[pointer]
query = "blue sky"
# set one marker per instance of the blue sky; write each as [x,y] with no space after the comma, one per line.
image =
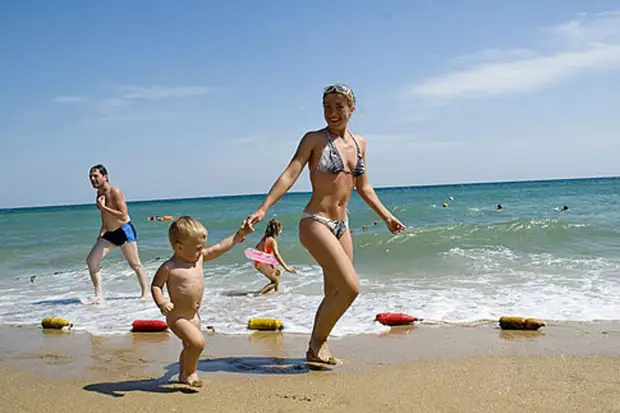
[199,98]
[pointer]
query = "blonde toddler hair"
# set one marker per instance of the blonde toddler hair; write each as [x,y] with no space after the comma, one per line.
[186,228]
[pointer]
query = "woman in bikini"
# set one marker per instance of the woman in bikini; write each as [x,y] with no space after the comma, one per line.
[337,165]
[269,245]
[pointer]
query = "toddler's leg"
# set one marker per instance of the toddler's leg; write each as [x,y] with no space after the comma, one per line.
[193,344]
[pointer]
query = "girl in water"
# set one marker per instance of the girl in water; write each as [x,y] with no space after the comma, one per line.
[336,159]
[269,245]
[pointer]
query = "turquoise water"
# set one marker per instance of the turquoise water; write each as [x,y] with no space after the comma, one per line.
[464,262]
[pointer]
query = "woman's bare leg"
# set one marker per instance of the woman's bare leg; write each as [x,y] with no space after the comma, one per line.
[340,278]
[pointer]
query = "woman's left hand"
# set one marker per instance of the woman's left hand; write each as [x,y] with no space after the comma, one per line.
[394,225]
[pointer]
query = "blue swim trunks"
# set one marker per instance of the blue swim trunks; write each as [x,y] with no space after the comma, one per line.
[126,233]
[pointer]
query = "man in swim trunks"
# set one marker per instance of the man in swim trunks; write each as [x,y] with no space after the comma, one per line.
[116,231]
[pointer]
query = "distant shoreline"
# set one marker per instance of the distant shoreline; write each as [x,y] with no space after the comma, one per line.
[378,188]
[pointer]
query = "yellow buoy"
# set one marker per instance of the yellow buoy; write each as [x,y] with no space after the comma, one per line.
[55,322]
[265,324]
[520,323]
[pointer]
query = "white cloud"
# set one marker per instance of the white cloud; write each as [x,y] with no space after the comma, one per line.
[125,98]
[493,55]
[381,144]
[589,43]
[161,92]
[588,30]
[128,95]
[519,75]
[139,116]
[69,99]
[249,139]
[108,105]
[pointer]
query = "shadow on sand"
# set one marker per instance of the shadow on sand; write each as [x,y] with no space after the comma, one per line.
[240,365]
[240,293]
[70,301]
[160,385]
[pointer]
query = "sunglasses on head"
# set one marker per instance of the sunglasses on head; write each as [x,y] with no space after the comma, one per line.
[340,88]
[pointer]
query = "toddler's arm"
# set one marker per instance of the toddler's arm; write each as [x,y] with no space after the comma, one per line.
[214,251]
[160,279]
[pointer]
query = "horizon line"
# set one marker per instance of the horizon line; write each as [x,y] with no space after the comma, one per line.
[378,188]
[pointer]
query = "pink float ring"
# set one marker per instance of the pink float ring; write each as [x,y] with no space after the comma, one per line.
[260,256]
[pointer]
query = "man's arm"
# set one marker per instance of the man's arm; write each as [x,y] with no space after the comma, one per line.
[118,203]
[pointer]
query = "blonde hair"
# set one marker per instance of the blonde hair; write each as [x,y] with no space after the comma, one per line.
[186,229]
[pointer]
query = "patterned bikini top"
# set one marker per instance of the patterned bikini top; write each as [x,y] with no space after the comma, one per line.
[331,161]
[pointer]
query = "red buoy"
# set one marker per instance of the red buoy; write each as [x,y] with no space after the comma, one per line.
[149,325]
[395,319]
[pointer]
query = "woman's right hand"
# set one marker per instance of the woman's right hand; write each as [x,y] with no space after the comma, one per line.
[253,218]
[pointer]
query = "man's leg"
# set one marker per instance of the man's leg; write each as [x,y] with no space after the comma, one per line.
[130,251]
[101,248]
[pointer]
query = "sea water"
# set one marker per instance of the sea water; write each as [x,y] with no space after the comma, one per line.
[460,262]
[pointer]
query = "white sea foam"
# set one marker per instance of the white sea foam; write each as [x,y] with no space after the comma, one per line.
[485,282]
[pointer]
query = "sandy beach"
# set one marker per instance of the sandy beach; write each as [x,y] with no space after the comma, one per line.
[563,368]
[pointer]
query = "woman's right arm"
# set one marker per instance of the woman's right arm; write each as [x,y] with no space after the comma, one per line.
[285,181]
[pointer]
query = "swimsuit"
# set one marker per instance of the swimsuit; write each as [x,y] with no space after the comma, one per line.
[338,228]
[331,162]
[268,250]
[126,233]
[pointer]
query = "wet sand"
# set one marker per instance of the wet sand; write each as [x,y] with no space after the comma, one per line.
[562,368]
